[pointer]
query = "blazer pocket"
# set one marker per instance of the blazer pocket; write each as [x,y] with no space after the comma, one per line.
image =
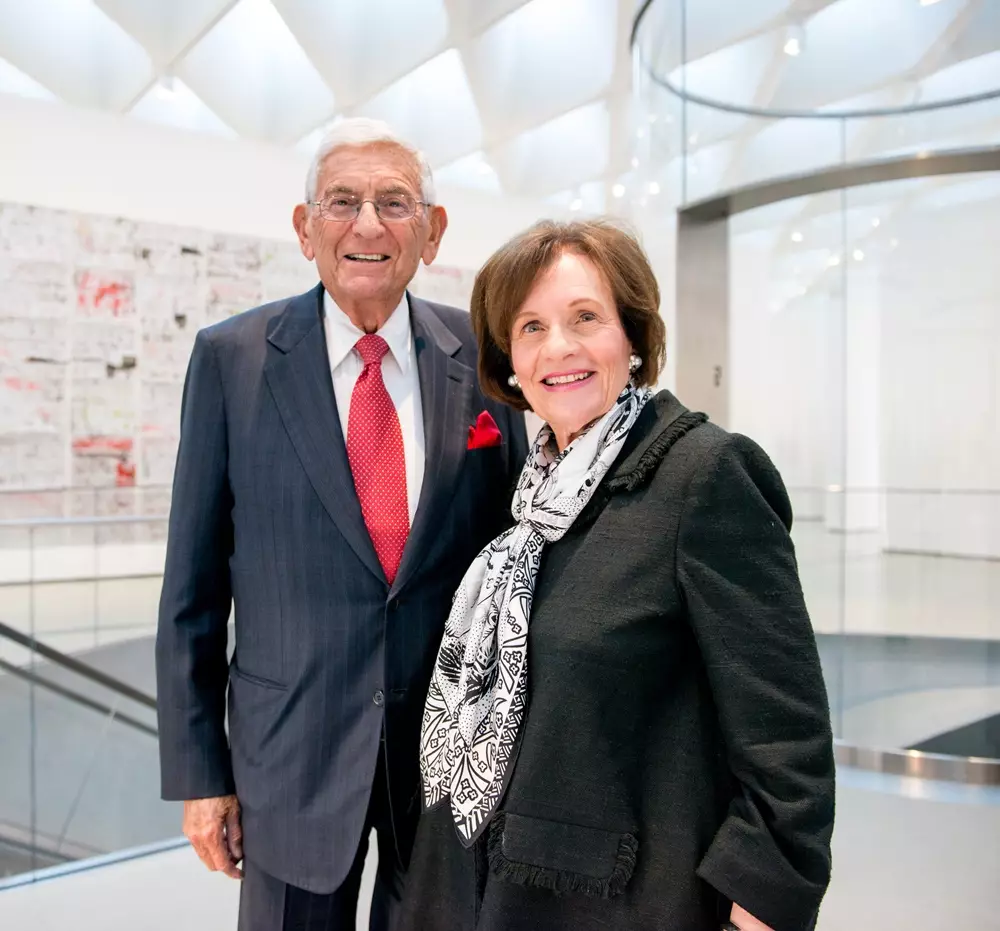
[257,680]
[561,857]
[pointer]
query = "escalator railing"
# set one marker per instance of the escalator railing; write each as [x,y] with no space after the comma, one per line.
[78,756]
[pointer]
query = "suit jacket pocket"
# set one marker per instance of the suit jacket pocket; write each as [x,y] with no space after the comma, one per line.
[561,857]
[257,680]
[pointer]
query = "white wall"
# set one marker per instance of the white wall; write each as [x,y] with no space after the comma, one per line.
[58,156]
[897,387]
[780,374]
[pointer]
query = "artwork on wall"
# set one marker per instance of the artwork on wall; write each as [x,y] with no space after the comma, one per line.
[97,320]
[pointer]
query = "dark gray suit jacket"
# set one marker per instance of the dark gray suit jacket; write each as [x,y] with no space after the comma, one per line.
[265,518]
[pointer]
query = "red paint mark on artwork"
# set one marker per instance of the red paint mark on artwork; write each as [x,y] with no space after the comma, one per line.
[21,384]
[102,445]
[100,294]
[443,271]
[124,473]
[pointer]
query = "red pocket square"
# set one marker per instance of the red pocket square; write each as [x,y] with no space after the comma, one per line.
[484,432]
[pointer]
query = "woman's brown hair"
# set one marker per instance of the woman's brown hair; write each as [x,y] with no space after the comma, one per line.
[504,282]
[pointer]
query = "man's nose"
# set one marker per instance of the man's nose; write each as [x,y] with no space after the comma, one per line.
[368,222]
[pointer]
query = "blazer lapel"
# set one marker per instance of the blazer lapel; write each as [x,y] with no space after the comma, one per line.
[298,373]
[446,391]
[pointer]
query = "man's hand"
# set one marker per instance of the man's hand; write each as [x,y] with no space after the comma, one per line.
[213,827]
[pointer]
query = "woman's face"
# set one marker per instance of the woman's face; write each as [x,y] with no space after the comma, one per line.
[568,348]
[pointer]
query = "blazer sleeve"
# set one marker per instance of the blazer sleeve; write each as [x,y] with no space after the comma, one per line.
[737,572]
[191,662]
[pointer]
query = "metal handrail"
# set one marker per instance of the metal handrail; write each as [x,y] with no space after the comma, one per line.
[77,698]
[27,523]
[48,489]
[93,863]
[779,113]
[74,665]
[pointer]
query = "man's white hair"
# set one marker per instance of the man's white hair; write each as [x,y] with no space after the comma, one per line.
[361,131]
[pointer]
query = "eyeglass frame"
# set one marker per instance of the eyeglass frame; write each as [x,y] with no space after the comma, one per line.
[369,200]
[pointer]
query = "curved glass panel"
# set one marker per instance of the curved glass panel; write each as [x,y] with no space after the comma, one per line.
[853,58]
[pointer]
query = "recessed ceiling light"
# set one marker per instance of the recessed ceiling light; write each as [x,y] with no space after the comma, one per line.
[876,222]
[795,40]
[833,260]
[576,204]
[618,190]
[654,187]
[797,236]
[859,256]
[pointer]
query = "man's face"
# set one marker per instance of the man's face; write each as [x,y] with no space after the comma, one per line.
[369,259]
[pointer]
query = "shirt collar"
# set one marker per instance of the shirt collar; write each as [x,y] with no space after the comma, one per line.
[342,334]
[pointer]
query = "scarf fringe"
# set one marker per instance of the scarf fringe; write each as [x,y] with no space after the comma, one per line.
[560,881]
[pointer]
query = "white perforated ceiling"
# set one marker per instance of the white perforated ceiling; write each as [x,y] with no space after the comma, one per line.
[531,97]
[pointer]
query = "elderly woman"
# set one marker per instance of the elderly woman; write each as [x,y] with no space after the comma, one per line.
[627,726]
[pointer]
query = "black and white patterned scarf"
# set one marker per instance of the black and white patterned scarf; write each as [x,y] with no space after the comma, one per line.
[478,692]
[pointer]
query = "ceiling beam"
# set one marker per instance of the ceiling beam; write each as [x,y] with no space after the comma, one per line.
[160,69]
[870,135]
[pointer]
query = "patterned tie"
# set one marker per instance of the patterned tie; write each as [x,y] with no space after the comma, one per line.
[375,452]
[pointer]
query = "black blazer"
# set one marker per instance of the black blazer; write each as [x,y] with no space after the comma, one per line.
[265,518]
[676,753]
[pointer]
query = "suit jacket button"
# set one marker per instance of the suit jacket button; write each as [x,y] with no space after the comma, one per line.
[379,697]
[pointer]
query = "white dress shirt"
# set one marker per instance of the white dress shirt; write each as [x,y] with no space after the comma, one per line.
[399,372]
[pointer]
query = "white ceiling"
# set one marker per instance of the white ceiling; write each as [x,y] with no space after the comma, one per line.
[531,97]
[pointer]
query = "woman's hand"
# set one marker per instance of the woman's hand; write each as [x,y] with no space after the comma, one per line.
[745,921]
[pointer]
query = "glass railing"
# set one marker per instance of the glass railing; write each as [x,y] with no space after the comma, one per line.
[905,611]
[78,755]
[84,582]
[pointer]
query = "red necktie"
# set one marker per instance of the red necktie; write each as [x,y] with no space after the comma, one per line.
[375,452]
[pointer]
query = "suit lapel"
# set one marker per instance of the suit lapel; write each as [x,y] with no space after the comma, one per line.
[298,373]
[446,391]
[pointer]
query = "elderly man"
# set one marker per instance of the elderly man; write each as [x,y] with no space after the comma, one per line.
[338,471]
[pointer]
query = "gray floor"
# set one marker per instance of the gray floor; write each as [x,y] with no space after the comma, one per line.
[901,863]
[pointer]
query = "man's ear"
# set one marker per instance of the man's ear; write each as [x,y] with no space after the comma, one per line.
[438,223]
[300,220]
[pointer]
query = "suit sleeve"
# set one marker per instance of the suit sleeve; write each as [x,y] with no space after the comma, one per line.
[737,571]
[191,661]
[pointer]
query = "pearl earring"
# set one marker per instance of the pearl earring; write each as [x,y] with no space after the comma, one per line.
[513,382]
[634,363]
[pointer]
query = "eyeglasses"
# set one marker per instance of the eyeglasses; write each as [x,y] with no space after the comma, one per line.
[344,207]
